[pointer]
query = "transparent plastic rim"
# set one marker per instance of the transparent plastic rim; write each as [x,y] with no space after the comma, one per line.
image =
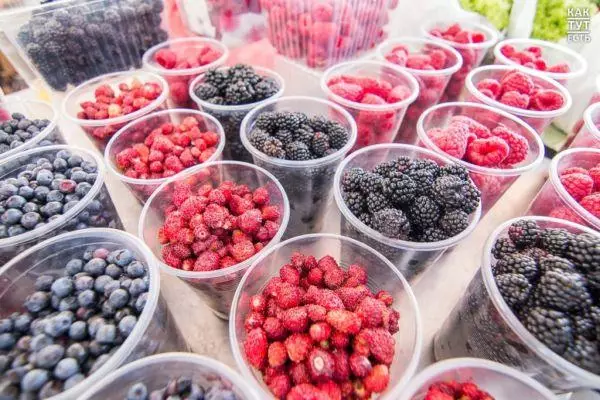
[491,35]
[348,67]
[423,41]
[80,206]
[588,118]
[132,124]
[85,86]
[185,358]
[540,349]
[514,110]
[205,105]
[476,168]
[145,317]
[244,128]
[285,216]
[579,61]
[234,340]
[185,71]
[397,243]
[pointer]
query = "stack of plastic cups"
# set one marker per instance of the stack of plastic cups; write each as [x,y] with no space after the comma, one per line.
[410,258]
[589,135]
[381,276]
[492,182]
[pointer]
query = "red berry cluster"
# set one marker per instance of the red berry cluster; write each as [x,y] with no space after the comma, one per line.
[167,150]
[209,228]
[317,331]
[584,186]
[453,390]
[531,57]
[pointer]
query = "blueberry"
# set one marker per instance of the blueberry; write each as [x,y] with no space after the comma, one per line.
[3,136]
[16,202]
[15,143]
[55,184]
[30,220]
[96,349]
[127,324]
[40,341]
[40,193]
[94,324]
[122,257]
[24,343]
[4,148]
[60,165]
[78,352]
[15,230]
[83,189]
[91,178]
[24,135]
[106,334]
[23,123]
[140,303]
[118,298]
[78,330]
[59,324]
[54,302]
[7,341]
[113,271]
[88,255]
[44,282]
[59,176]
[12,181]
[20,360]
[41,161]
[50,389]
[108,310]
[138,286]
[64,154]
[4,363]
[11,216]
[75,160]
[51,208]
[95,266]
[33,130]
[101,283]
[67,186]
[197,393]
[6,325]
[66,368]
[34,380]
[55,195]
[37,301]
[73,267]
[87,298]
[26,192]
[79,176]
[44,177]
[3,231]
[139,391]
[136,269]
[100,361]
[68,304]
[22,322]
[49,356]
[71,197]
[30,207]
[62,287]
[70,205]
[73,380]
[84,283]
[111,286]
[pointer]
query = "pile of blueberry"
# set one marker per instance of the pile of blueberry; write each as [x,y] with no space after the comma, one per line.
[18,130]
[182,388]
[71,324]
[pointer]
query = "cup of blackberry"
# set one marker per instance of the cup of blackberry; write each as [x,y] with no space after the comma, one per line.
[301,140]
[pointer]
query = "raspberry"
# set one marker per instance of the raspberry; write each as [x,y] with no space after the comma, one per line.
[515,99]
[288,296]
[487,152]
[316,313]
[517,81]
[452,141]
[298,345]
[379,378]
[574,170]
[380,343]
[242,251]
[277,354]
[566,213]
[491,85]
[595,175]
[352,296]
[371,312]
[250,221]
[560,68]
[547,100]
[207,261]
[479,130]
[320,331]
[295,319]
[274,328]
[344,321]
[399,93]
[359,365]
[280,385]
[333,277]
[255,347]
[592,204]
[518,145]
[418,61]
[577,185]
[321,365]
[348,91]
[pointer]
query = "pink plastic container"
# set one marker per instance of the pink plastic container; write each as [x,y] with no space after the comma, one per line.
[589,135]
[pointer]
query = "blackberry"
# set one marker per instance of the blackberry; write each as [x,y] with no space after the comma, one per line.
[518,264]
[319,144]
[243,71]
[584,251]
[304,134]
[503,246]
[206,91]
[564,291]
[258,138]
[216,100]
[351,180]
[284,136]
[554,263]
[387,168]
[424,212]
[371,182]
[449,191]
[472,199]
[524,233]
[266,88]
[551,327]
[584,353]
[536,253]
[555,240]
[455,170]
[266,121]
[219,78]
[338,135]
[399,188]
[584,325]
[454,222]
[365,218]
[423,178]
[376,201]
[274,148]
[288,120]
[432,234]
[297,151]
[355,201]
[240,92]
[428,165]
[392,223]
[318,123]
[514,288]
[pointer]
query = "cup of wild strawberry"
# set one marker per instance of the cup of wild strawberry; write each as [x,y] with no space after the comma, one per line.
[207,224]
[181,60]
[494,146]
[147,151]
[529,95]
[406,202]
[432,63]
[325,316]
[589,135]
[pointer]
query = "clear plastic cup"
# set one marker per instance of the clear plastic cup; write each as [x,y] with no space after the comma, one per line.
[308,184]
[376,123]
[410,258]
[500,381]
[156,371]
[96,209]
[483,326]
[136,131]
[492,182]
[231,116]
[217,287]
[382,276]
[432,83]
[100,131]
[471,53]
[589,135]
[179,79]
[155,330]
[538,120]
[553,200]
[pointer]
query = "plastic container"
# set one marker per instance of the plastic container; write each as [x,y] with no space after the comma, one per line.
[157,370]
[100,131]
[217,287]
[492,182]
[498,380]
[553,200]
[231,116]
[136,131]
[376,123]
[97,203]
[179,79]
[432,83]
[155,330]
[382,276]
[308,184]
[410,258]
[538,120]
[483,326]
[589,135]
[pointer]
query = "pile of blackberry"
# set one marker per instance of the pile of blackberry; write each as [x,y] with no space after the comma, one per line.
[18,130]
[295,136]
[182,388]
[550,278]
[412,199]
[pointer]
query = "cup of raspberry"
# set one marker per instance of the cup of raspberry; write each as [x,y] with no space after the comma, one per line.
[529,95]
[533,305]
[376,94]
[207,224]
[317,317]
[103,105]
[406,202]
[181,60]
[589,135]
[147,151]
[494,146]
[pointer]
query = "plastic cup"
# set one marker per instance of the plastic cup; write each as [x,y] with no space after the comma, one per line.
[498,380]
[231,116]
[156,371]
[179,79]
[307,183]
[217,287]
[432,83]
[100,131]
[538,120]
[483,326]
[410,258]
[136,131]
[155,330]
[96,209]
[492,182]
[376,123]
[347,251]
[589,135]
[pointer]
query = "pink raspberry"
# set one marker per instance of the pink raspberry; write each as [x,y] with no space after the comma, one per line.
[566,213]
[488,152]
[452,140]
[517,81]
[595,175]
[399,93]
[518,145]
[560,68]
[577,185]
[418,61]
[592,204]
[547,100]
[490,84]
[479,130]
[508,50]
[574,170]
[515,99]
[166,58]
[348,91]
[438,59]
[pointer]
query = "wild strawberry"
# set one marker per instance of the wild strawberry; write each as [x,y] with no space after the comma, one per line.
[328,299]
[341,371]
[358,272]
[298,345]
[295,319]
[385,297]
[327,262]
[207,261]
[371,312]
[242,251]
[352,296]
[250,221]
[288,296]
[238,205]
[306,391]
[215,216]
[272,286]
[344,321]
[359,365]
[331,389]
[271,213]
[255,347]
[170,258]
[274,329]
[333,277]
[378,379]
[316,313]
[290,274]
[315,277]
[339,340]
[320,331]
[261,196]
[380,343]
[577,185]
[226,262]
[253,320]
[280,385]
[321,365]
[180,250]
[592,204]
[277,354]
[559,68]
